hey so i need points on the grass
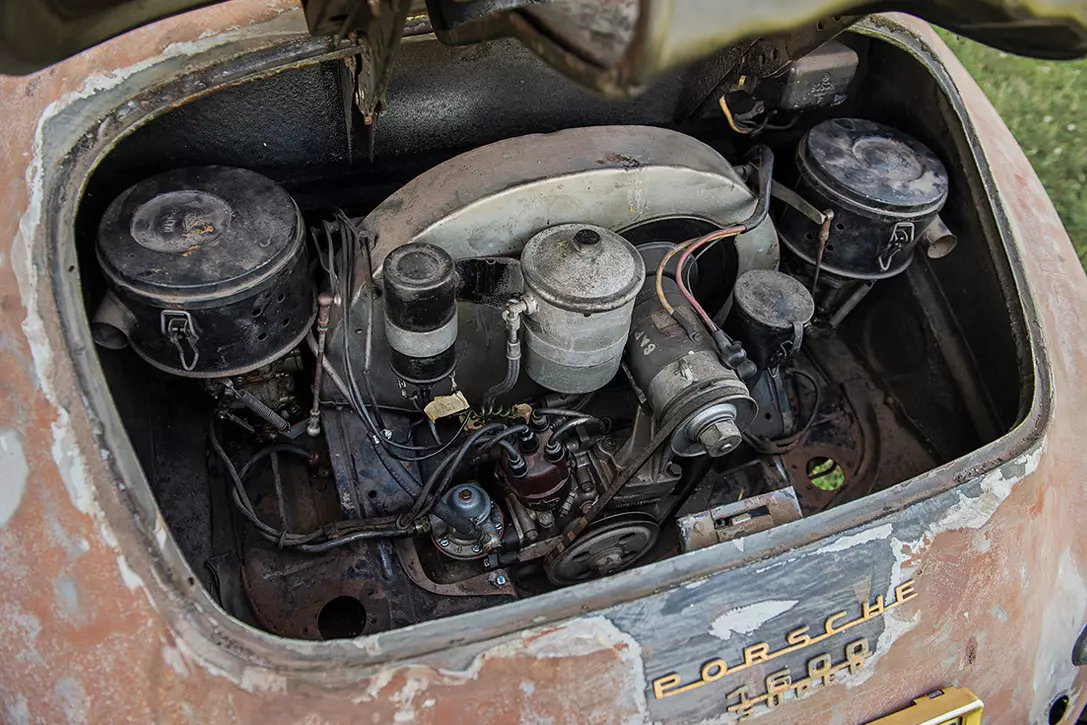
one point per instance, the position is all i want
(1044, 104)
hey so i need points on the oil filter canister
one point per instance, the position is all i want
(584, 280)
(420, 286)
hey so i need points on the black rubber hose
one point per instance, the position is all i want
(765, 180)
(430, 496)
(508, 433)
(414, 489)
(570, 425)
(385, 533)
(359, 528)
(265, 452)
(563, 413)
(511, 450)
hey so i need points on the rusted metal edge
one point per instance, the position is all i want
(79, 135)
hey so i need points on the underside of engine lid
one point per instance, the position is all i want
(613, 47)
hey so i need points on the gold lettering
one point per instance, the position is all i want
(662, 686)
(856, 653)
(799, 637)
(745, 704)
(829, 624)
(714, 670)
(905, 591)
(777, 684)
(873, 610)
(820, 668)
(756, 653)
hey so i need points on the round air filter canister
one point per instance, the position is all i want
(211, 262)
(884, 187)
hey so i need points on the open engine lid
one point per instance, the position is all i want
(615, 46)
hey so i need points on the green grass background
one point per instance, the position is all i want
(1044, 104)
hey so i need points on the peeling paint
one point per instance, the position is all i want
(407, 686)
(13, 482)
(15, 710)
(72, 699)
(975, 512)
(843, 543)
(129, 577)
(745, 620)
(25, 627)
(67, 596)
(175, 660)
(1063, 613)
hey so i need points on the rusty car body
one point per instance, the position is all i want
(971, 574)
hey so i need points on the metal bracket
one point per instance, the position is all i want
(176, 325)
(737, 520)
(902, 235)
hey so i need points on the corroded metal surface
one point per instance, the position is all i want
(103, 622)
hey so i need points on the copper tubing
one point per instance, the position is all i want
(824, 235)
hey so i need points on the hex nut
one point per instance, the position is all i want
(720, 437)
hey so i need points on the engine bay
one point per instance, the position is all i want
(495, 371)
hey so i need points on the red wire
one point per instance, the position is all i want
(708, 239)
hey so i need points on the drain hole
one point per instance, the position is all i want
(341, 618)
(1058, 710)
(825, 474)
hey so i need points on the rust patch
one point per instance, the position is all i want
(627, 162)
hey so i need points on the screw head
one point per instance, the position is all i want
(444, 543)
(465, 494)
(477, 548)
(500, 580)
